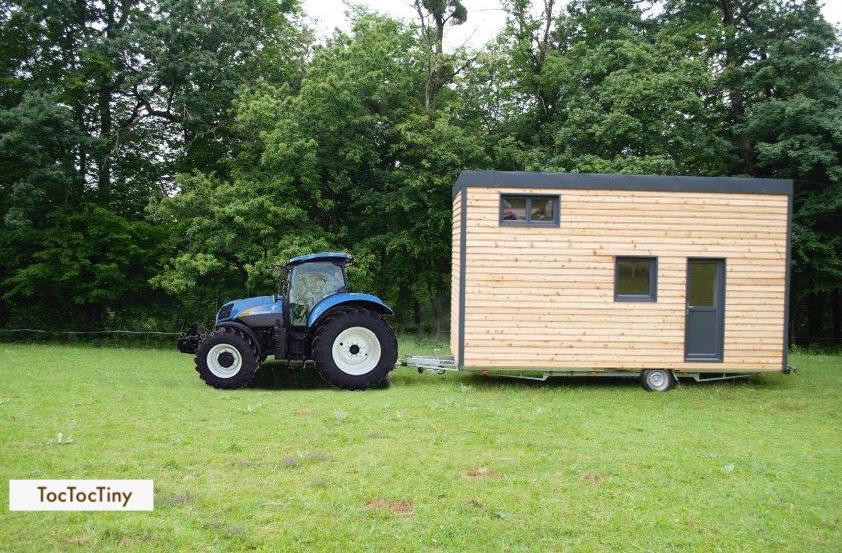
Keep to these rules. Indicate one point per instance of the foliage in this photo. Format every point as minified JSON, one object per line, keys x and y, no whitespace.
{"x":220,"y":139}
{"x":101,"y":103}
{"x":84,"y":264}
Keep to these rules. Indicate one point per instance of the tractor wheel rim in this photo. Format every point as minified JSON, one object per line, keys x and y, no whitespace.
{"x":657,"y":380}
{"x":224,"y":360}
{"x":356,"y":351}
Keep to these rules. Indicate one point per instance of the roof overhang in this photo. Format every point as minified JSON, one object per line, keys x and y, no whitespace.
{"x":594,"y":181}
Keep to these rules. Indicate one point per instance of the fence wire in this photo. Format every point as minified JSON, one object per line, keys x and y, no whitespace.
{"x":71,"y":332}
{"x":110,"y":337}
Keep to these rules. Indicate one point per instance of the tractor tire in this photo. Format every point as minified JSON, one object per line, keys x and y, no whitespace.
{"x":226,"y":359}
{"x":354,"y":348}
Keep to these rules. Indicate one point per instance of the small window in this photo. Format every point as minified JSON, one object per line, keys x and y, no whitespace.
{"x":520,"y":209}
{"x":636,"y":279}
{"x":702,"y":287}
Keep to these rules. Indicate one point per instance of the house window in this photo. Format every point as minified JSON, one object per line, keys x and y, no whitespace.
{"x":636,"y":279}
{"x":529,"y":210}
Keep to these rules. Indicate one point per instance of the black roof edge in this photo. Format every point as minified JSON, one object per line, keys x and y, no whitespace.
{"x":596,"y":181}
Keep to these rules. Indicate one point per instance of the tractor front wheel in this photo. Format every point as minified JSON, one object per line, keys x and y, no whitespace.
{"x":226,"y":358}
{"x":354,"y":348}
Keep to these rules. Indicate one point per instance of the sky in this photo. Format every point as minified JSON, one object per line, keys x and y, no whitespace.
{"x":485,"y":17}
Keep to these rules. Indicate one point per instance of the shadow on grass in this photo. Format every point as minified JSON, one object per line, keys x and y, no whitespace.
{"x":276,"y":375}
{"x":297,"y":376}
{"x":594,"y":382}
{"x":556,"y":382}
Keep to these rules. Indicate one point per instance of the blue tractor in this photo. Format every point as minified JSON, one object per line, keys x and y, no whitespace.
{"x":317,"y":319}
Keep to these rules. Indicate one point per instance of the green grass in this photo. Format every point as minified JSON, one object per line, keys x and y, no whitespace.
{"x":288,"y":464}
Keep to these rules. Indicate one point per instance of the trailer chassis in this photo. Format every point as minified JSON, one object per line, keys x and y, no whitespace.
{"x":441,"y":364}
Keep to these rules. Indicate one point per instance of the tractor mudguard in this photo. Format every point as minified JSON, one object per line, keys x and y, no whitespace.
{"x":346,"y":298}
{"x":243,"y":328}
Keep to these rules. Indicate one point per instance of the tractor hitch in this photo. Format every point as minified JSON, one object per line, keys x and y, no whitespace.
{"x":189,"y":341}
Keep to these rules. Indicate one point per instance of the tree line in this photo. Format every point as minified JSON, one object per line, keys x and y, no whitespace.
{"x":159,"y":157}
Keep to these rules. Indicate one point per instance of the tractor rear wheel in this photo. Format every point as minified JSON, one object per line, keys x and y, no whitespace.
{"x":354,"y":348}
{"x":226,"y":358}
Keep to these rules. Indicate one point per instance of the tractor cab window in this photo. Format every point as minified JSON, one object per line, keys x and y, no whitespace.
{"x":309,"y":284}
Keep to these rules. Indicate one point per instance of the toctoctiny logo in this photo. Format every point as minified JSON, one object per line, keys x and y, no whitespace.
{"x":101,"y":494}
{"x":81,"y":495}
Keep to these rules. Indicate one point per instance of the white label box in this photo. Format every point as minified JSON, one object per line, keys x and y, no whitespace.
{"x":81,"y":495}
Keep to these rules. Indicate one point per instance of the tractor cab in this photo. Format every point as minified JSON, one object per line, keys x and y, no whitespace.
{"x":311,"y":279}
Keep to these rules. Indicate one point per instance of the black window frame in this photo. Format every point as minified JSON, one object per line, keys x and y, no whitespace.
{"x":652,"y":296}
{"x":556,"y":221}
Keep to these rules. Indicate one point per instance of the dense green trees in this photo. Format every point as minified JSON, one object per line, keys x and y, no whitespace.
{"x":101,"y":105}
{"x":159,"y":157}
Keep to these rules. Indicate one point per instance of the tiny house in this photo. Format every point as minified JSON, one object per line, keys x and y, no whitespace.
{"x":592,"y":274}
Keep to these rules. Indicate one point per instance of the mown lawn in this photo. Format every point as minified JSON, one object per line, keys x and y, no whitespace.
{"x":455,"y":462}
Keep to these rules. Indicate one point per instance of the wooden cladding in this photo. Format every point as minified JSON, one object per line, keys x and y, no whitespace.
{"x":544,"y":297}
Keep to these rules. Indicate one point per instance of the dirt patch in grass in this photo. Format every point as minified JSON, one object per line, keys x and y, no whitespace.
{"x":401,"y":508}
{"x":177,"y":499}
{"x":483,"y":472}
{"x":593,"y":478}
{"x":308,"y":457}
{"x":291,"y":461}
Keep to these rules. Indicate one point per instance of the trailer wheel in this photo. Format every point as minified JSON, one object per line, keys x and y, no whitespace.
{"x":226,"y":359}
{"x":354,"y":348}
{"x":657,"y":380}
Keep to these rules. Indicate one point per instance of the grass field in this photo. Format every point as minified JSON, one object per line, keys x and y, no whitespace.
{"x":456,"y":462}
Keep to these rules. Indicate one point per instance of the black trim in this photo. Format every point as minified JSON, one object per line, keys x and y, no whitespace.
{"x":656,"y":183}
{"x":528,"y":222}
{"x":463,"y":256}
{"x":785,"y":367}
{"x":652,"y":296}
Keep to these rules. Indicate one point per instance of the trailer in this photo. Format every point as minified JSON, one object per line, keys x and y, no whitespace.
{"x":654,"y":277}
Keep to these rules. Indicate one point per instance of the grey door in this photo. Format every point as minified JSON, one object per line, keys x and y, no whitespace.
{"x":705,"y":319}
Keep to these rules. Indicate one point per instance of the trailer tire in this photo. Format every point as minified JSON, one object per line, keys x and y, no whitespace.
{"x":354,"y":348}
{"x":226,"y":358}
{"x":657,"y":380}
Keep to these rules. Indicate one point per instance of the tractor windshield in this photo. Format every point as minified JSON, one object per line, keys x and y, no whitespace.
{"x":309,"y":284}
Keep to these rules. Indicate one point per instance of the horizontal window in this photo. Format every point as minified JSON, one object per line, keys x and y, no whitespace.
{"x":529,"y":209}
{"x":636,"y":279}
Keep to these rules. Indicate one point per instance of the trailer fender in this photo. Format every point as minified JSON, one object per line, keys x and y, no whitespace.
{"x":344,"y":299}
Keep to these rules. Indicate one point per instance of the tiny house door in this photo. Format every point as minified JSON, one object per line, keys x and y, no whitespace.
{"x":705,"y":314}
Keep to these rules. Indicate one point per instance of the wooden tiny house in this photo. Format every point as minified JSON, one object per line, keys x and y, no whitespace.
{"x":580,"y":272}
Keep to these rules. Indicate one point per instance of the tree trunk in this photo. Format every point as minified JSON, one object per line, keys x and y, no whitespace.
{"x":4,"y":313}
{"x":745,"y":150}
{"x":104,"y":171}
{"x":836,"y":316}
{"x":435,"y":309}
{"x":736,"y":98}
{"x":416,"y":315}
{"x":814,"y":314}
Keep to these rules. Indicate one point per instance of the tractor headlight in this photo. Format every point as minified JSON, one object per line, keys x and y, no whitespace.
{"x":225,"y":311}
